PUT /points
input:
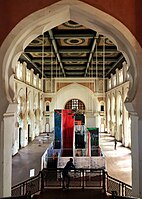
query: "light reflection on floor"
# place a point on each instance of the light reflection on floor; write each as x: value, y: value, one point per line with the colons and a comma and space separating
x: 118, y: 162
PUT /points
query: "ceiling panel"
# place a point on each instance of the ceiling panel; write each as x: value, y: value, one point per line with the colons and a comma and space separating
x: 72, y: 50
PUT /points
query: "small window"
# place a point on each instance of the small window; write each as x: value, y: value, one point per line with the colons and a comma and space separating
x: 102, y: 107
x: 47, y: 108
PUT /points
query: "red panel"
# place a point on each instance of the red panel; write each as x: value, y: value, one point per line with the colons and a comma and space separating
x: 67, y: 132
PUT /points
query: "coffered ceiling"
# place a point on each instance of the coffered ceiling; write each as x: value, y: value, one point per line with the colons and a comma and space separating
x: 72, y: 50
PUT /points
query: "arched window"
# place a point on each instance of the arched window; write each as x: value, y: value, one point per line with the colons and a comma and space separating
x: 75, y: 104
x: 47, y: 108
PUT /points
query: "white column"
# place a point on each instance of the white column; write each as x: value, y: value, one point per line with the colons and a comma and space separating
x: 136, y: 130
x: 117, y: 76
x: 24, y: 71
x: 31, y: 76
x: 124, y: 72
x: 7, y: 154
x: 112, y: 84
x: 8, y: 129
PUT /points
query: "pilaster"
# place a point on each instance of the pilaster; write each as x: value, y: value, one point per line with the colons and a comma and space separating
x: 9, y: 125
x: 136, y: 149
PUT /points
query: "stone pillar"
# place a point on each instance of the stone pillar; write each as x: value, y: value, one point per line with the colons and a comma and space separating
x: 112, y: 83
x: 124, y: 72
x: 136, y: 139
x: 117, y: 76
x: 8, y: 129
x: 31, y: 76
x: 136, y: 150
x: 135, y: 157
x: 37, y: 81
x: 24, y: 71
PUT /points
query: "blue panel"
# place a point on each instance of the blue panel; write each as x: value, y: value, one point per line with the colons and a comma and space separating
x: 57, y: 123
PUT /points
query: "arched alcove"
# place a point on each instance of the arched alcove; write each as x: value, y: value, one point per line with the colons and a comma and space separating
x: 71, y: 91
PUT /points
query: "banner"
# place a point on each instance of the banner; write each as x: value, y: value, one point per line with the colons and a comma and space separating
x: 57, y: 124
x: 67, y: 132
x: 94, y: 134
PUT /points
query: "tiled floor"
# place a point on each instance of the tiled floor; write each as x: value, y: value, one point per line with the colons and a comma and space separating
x: 118, y: 162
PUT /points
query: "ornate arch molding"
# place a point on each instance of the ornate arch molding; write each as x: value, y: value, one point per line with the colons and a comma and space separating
x: 45, y: 19
x: 78, y: 95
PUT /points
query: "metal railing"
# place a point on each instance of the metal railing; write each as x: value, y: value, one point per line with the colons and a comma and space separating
x: 18, y: 197
x: 117, y: 187
x: 79, y: 178
x: 28, y: 187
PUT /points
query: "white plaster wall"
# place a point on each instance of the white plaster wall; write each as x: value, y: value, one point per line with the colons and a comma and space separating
x: 122, y: 133
x: 75, y: 91
x: 91, y: 120
x: 32, y: 96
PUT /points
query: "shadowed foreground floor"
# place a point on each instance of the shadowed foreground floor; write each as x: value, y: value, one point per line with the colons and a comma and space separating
x: 73, y: 194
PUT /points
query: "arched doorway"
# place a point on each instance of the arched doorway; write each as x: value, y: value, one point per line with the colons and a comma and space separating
x: 95, y: 20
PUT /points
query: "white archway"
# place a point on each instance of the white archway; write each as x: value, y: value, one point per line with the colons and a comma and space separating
x: 82, y: 13
x: 71, y: 91
x: 58, y: 13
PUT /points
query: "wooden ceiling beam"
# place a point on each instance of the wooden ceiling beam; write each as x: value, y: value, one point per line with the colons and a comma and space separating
x: 37, y: 49
x: 81, y: 59
x: 56, y: 50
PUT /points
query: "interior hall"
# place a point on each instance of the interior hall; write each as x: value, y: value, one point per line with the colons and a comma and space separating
x: 70, y: 89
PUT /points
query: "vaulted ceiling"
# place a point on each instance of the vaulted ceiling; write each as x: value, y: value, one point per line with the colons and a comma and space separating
x: 72, y: 50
